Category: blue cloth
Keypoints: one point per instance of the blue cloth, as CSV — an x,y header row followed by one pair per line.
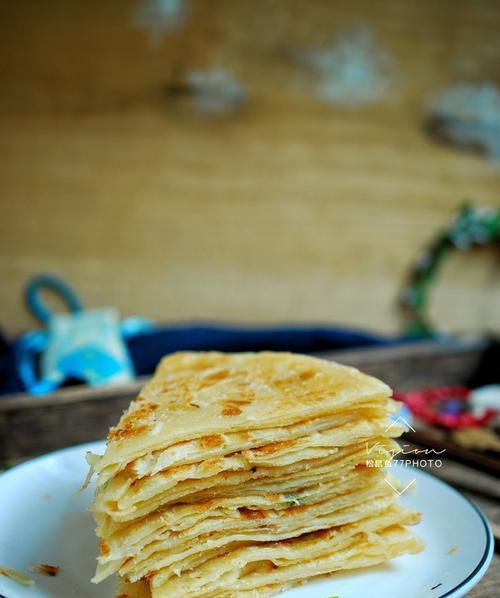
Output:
x,y
147,348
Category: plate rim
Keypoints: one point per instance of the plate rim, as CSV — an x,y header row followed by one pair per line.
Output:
x,y
37,458
476,575
484,562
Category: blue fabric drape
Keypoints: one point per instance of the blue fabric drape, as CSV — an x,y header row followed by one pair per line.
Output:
x,y
147,348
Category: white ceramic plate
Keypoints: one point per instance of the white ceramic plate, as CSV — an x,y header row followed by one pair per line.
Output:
x,y
43,519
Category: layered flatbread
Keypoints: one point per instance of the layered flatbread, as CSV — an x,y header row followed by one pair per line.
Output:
x,y
238,475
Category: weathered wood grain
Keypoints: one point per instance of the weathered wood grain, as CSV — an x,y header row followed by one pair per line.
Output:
x,y
292,210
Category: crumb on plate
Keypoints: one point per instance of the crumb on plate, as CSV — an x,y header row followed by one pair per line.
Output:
x,y
49,570
17,576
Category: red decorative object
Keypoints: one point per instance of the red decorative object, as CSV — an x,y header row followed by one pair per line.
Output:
x,y
446,406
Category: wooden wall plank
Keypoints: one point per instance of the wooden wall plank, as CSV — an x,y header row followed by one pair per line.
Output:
x,y
292,210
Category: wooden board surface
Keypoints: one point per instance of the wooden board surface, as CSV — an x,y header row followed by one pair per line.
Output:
x,y
292,210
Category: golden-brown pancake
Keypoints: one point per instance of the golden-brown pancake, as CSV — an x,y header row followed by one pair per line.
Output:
x,y
238,475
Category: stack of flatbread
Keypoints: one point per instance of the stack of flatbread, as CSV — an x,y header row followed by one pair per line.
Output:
x,y
238,475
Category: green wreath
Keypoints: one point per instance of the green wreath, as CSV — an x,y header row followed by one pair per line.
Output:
x,y
471,227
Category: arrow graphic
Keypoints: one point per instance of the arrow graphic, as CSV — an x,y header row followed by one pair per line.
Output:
x,y
404,489
400,420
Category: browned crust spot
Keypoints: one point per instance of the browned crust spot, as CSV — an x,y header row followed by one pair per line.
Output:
x,y
207,505
176,470
211,441
292,511
112,505
252,513
220,375
126,430
104,548
210,464
239,402
275,497
130,470
307,374
141,412
269,449
231,410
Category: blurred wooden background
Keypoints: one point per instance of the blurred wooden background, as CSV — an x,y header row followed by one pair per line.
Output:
x,y
291,210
